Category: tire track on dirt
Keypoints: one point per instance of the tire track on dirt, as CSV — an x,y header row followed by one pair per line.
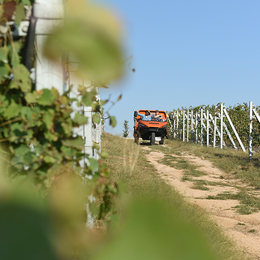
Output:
x,y
243,229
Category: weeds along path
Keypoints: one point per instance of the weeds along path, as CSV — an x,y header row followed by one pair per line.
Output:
x,y
207,187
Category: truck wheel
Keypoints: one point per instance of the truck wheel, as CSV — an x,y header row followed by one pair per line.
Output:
x,y
162,140
152,138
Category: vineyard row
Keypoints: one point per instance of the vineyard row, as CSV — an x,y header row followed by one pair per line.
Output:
x,y
218,126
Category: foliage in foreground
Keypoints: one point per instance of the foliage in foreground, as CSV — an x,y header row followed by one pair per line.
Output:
x,y
46,218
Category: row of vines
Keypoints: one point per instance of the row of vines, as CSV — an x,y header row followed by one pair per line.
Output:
x,y
239,115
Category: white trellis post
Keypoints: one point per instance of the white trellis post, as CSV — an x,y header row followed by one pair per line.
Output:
x,y
250,149
201,126
207,118
192,126
196,127
181,131
183,125
188,123
177,124
215,129
221,126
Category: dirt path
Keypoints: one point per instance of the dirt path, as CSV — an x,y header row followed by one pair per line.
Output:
x,y
244,229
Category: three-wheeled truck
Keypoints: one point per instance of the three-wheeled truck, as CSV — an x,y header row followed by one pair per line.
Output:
x,y
156,128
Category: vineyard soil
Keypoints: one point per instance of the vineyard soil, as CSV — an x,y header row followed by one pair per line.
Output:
x,y
243,229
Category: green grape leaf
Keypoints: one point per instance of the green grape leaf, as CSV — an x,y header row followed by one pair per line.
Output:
x,y
26,113
76,143
13,55
21,78
3,54
4,71
55,93
68,152
48,121
80,119
93,164
49,159
67,128
13,109
51,137
21,150
19,13
112,121
96,118
46,98
31,97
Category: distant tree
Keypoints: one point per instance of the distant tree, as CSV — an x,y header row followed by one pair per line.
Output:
x,y
125,129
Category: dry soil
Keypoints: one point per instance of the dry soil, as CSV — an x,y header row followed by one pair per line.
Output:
x,y
243,229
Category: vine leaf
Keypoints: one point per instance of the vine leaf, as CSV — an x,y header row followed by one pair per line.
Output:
x,y
80,119
21,78
12,110
76,143
4,71
46,98
19,14
3,54
112,121
31,97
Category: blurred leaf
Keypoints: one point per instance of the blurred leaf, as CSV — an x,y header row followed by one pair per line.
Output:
x,y
76,143
104,154
91,35
89,96
50,136
21,150
31,97
27,113
19,13
67,128
68,152
55,93
112,121
96,118
103,102
14,50
80,119
48,121
25,229
4,71
46,98
49,159
13,109
153,232
93,164
21,78
120,97
3,54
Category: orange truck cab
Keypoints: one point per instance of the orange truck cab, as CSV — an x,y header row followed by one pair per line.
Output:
x,y
152,129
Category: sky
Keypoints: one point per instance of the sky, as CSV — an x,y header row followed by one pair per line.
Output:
x,y
185,53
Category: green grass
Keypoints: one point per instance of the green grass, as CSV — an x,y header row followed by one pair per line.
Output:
x,y
248,203
128,163
181,164
200,185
